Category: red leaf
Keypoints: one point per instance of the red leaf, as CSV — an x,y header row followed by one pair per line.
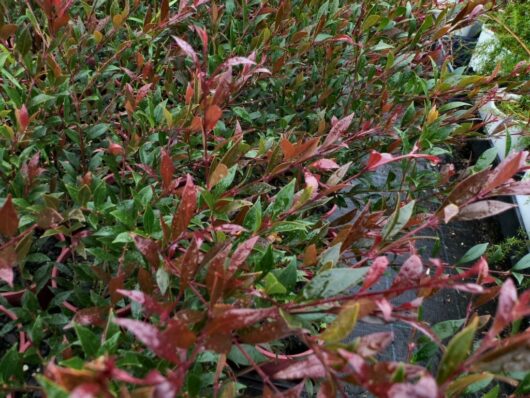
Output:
x,y
22,116
152,338
149,249
186,209
190,261
211,117
483,209
325,164
167,169
115,284
178,334
505,170
187,49
215,278
377,269
507,302
377,159
164,10
241,254
8,218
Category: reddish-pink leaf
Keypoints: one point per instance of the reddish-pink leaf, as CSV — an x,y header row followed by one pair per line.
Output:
x,y
8,259
167,169
93,316
377,159
426,387
86,390
372,344
186,209
241,254
22,116
204,38
236,318
513,188
211,117
233,229
410,272
483,209
309,367
338,128
507,302
8,218
325,164
152,338
115,149
149,249
238,61
187,49
150,305
376,270
505,170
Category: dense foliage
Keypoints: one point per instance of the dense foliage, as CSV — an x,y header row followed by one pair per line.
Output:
x,y
190,188
511,24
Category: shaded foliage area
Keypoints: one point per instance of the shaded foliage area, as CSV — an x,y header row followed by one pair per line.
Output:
x,y
170,171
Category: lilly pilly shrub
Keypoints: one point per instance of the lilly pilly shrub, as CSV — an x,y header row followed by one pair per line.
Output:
x,y
173,175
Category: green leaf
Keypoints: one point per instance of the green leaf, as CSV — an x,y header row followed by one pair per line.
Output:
x,y
330,256
287,276
453,105
236,356
266,263
272,285
283,200
408,115
10,365
88,339
333,281
457,351
343,324
523,263
253,218
523,389
493,393
398,220
486,159
162,280
51,389
41,99
97,131
473,253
